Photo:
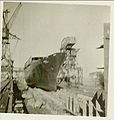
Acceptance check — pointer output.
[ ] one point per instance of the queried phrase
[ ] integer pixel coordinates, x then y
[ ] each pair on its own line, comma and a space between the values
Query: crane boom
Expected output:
13, 17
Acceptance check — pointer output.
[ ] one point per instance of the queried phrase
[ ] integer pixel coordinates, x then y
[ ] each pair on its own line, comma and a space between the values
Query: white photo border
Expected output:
110, 112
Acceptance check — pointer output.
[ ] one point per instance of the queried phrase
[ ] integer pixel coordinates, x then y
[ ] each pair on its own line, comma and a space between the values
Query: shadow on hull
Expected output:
41, 72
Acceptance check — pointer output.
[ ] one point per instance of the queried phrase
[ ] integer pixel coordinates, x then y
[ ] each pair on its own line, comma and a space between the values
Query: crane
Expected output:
7, 25
6, 87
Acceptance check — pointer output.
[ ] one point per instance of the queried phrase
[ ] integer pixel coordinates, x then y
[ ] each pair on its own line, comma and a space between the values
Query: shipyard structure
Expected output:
53, 84
49, 72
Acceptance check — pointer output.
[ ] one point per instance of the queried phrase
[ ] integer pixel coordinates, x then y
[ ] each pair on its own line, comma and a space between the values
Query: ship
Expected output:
41, 72
47, 72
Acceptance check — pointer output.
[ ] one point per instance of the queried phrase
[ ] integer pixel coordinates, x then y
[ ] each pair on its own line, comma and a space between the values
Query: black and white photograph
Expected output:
55, 59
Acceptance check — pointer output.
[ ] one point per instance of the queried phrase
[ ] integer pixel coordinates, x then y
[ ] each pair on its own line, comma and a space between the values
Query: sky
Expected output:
42, 27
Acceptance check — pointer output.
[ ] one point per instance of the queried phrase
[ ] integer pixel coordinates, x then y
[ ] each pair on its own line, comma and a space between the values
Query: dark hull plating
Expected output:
41, 72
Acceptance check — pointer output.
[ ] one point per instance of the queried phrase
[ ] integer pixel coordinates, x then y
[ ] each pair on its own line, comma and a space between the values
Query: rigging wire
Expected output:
14, 50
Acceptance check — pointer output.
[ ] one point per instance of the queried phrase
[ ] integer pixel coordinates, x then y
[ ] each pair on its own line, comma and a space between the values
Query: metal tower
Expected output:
70, 70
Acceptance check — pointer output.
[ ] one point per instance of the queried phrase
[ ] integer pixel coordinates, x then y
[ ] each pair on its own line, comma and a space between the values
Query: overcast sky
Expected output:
42, 27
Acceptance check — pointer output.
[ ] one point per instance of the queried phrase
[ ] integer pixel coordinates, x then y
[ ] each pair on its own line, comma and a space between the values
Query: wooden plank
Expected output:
90, 108
70, 103
84, 107
10, 98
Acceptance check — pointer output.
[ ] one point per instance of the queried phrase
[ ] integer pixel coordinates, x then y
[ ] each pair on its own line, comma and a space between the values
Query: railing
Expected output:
82, 105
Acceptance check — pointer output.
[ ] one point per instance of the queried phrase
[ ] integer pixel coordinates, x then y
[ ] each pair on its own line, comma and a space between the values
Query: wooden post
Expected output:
67, 102
90, 108
106, 61
70, 103
84, 108
10, 104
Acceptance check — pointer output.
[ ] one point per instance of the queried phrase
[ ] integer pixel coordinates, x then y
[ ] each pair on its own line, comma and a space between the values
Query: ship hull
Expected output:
41, 72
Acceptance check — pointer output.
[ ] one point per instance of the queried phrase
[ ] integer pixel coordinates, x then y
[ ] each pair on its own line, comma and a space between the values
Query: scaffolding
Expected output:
70, 70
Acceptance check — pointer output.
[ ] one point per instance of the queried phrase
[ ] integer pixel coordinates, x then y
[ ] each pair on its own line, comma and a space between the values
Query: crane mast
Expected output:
6, 87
